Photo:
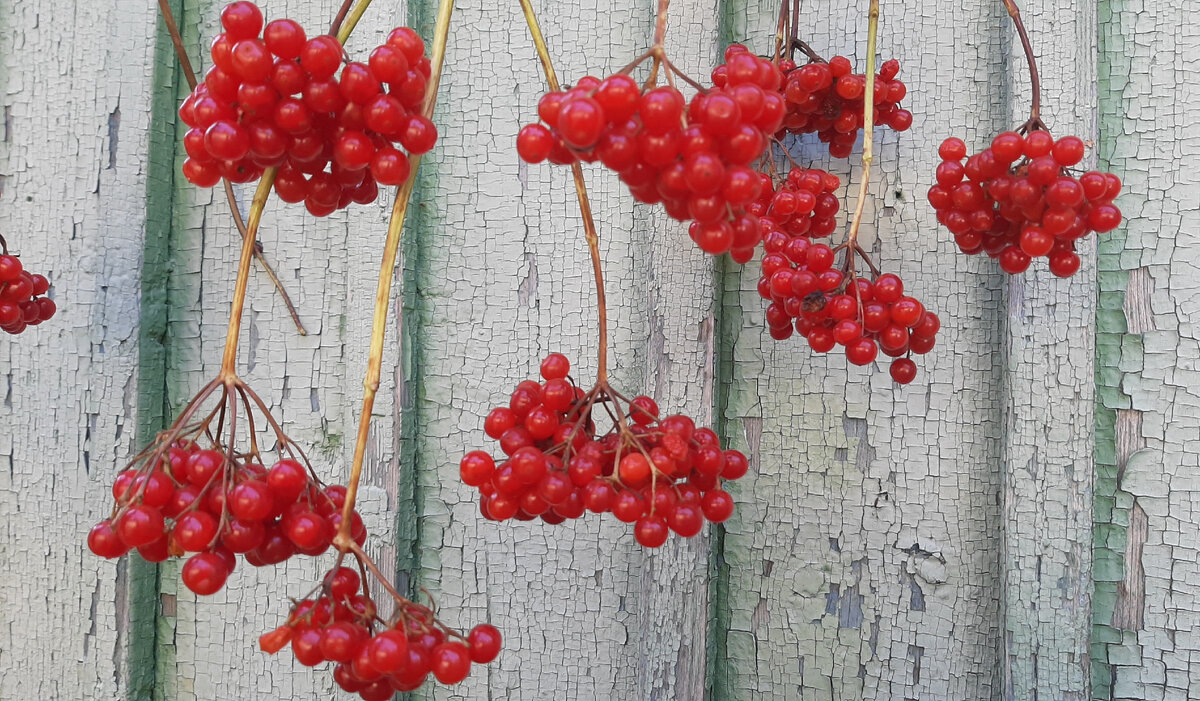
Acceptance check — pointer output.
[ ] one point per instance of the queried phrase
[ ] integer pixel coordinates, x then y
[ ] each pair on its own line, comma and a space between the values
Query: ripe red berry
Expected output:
484, 642
205, 573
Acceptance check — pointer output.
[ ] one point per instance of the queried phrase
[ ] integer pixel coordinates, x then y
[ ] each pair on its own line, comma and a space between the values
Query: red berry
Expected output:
651, 531
241, 19
205, 573
484, 642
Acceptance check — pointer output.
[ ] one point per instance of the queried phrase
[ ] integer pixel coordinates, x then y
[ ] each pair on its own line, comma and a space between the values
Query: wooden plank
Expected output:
1146, 350
1048, 390
497, 276
208, 647
75, 95
862, 561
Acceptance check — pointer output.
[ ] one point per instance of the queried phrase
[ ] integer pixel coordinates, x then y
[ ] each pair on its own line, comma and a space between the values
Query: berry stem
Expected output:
383, 291
3, 246
229, 359
794, 41
177, 40
343, 30
660, 22
1035, 110
336, 24
190, 75
868, 154
585, 206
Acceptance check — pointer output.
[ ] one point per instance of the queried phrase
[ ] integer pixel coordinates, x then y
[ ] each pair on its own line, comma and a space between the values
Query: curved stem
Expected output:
336, 24
383, 289
868, 129
585, 205
1035, 109
352, 20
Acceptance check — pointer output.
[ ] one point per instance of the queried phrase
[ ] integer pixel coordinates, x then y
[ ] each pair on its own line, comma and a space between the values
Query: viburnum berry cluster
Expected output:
22, 300
803, 204
831, 307
1017, 199
375, 657
694, 156
179, 496
661, 475
826, 98
277, 101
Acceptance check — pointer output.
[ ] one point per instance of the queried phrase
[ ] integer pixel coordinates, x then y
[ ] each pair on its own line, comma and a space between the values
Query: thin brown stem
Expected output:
383, 289
259, 256
585, 206
660, 22
868, 154
1035, 109
339, 17
781, 32
177, 40
352, 21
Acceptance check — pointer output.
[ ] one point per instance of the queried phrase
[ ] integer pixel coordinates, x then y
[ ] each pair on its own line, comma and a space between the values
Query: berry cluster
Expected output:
1016, 200
375, 659
827, 98
809, 296
804, 203
695, 158
20, 302
277, 101
196, 501
661, 475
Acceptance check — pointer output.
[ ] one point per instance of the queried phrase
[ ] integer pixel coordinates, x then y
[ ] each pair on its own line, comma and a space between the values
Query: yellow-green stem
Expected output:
387, 270
352, 20
868, 154
229, 360
249, 240
585, 205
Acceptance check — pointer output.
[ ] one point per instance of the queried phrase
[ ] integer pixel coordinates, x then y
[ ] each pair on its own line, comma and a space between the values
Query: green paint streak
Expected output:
153, 412
719, 673
1110, 516
415, 313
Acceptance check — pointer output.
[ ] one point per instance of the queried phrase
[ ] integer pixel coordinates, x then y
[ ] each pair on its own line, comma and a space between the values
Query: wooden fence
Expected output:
1021, 522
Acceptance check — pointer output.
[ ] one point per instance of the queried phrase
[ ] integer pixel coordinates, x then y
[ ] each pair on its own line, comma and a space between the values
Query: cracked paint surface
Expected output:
935, 541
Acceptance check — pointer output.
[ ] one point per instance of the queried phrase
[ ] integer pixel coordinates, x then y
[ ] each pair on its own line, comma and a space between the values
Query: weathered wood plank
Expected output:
863, 560
1048, 388
1146, 374
75, 91
498, 276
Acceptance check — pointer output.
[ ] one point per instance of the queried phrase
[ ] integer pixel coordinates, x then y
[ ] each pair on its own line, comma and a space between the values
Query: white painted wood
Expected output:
1150, 141
74, 100
926, 542
864, 557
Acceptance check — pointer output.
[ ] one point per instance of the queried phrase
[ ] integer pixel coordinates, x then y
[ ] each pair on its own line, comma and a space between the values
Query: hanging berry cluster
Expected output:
804, 203
827, 98
661, 475
375, 657
22, 303
830, 308
1017, 199
694, 157
276, 100
180, 497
